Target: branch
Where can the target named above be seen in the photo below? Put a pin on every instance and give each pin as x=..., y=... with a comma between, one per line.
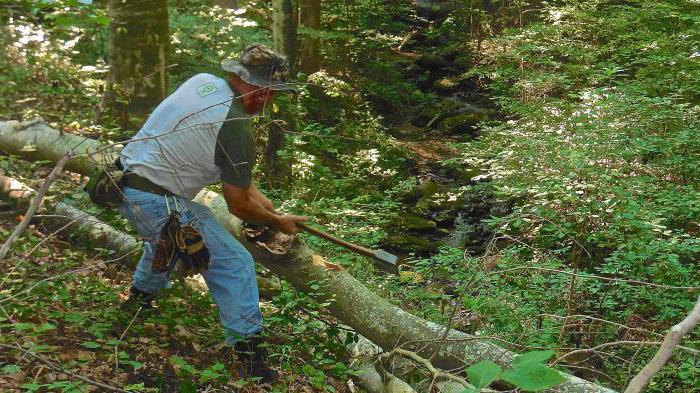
x=673, y=337
x=436, y=373
x=34, y=206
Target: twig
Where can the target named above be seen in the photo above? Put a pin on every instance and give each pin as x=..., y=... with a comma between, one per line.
x=673, y=337
x=34, y=206
x=604, y=345
x=436, y=373
x=57, y=368
x=569, y=300
x=116, y=346
x=593, y=276
x=443, y=339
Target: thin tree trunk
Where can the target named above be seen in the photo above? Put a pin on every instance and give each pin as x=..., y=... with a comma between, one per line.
x=310, y=18
x=349, y=300
x=284, y=37
x=284, y=30
x=139, y=45
x=277, y=170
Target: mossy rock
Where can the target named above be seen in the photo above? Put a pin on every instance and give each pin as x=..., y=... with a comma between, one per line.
x=409, y=243
x=417, y=224
x=464, y=123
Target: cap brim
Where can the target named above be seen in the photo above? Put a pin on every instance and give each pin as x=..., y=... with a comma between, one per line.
x=235, y=67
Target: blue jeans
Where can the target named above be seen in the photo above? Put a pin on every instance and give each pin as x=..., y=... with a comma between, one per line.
x=231, y=274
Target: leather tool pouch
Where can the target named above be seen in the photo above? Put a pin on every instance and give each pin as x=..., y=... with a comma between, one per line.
x=104, y=187
x=181, y=248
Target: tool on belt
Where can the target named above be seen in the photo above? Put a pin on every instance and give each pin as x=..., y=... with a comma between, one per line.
x=104, y=187
x=180, y=248
x=386, y=261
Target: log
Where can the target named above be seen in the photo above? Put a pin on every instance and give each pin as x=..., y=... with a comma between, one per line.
x=89, y=230
x=350, y=301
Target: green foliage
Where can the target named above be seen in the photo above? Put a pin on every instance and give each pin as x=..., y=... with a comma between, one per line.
x=599, y=149
x=202, y=35
x=529, y=372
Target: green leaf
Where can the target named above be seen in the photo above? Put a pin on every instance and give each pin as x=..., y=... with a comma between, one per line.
x=138, y=387
x=136, y=365
x=19, y=326
x=91, y=344
x=45, y=327
x=483, y=373
x=533, y=377
x=208, y=375
x=532, y=357
x=10, y=369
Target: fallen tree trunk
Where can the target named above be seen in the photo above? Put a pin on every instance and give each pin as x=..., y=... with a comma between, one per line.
x=350, y=301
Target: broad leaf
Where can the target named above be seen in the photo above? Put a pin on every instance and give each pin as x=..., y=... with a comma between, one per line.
x=91, y=344
x=483, y=373
x=532, y=357
x=533, y=377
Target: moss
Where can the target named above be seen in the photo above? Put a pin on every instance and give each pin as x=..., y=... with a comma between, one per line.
x=417, y=224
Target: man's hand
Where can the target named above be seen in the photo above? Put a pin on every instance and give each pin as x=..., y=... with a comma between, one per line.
x=247, y=203
x=287, y=223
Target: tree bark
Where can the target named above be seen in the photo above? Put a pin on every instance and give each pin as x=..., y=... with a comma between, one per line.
x=284, y=31
x=139, y=44
x=284, y=37
x=310, y=18
x=350, y=301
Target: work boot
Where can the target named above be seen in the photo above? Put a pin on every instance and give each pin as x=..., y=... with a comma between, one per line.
x=138, y=298
x=253, y=360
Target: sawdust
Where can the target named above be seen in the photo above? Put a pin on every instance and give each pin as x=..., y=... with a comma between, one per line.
x=277, y=243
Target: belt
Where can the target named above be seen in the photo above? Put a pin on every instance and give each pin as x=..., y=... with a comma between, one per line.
x=135, y=181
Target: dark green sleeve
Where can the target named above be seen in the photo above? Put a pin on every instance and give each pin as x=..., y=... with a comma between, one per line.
x=235, y=152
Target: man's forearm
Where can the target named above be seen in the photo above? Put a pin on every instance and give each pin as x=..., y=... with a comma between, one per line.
x=263, y=200
x=255, y=213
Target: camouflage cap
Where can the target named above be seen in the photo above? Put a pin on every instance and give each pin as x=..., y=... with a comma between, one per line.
x=260, y=66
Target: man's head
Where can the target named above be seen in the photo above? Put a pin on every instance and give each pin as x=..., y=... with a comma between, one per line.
x=257, y=75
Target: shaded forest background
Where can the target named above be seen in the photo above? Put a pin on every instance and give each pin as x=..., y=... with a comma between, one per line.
x=536, y=163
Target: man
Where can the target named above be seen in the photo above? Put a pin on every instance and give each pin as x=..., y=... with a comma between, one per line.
x=198, y=136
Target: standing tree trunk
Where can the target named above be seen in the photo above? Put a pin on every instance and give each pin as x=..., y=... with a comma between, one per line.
x=284, y=37
x=310, y=18
x=284, y=31
x=139, y=43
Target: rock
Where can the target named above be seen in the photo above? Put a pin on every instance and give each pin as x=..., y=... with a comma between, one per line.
x=436, y=10
x=432, y=62
x=464, y=123
x=445, y=85
x=416, y=244
x=417, y=224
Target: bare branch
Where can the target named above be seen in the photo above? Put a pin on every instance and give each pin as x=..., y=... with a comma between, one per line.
x=34, y=206
x=673, y=337
x=436, y=373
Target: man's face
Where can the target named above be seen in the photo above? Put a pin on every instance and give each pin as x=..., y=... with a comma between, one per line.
x=255, y=99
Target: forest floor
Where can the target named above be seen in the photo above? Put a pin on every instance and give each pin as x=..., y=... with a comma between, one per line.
x=597, y=155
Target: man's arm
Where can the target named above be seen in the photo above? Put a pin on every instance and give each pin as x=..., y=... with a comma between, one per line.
x=264, y=201
x=246, y=203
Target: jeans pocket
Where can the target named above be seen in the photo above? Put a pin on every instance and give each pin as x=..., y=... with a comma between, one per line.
x=145, y=211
